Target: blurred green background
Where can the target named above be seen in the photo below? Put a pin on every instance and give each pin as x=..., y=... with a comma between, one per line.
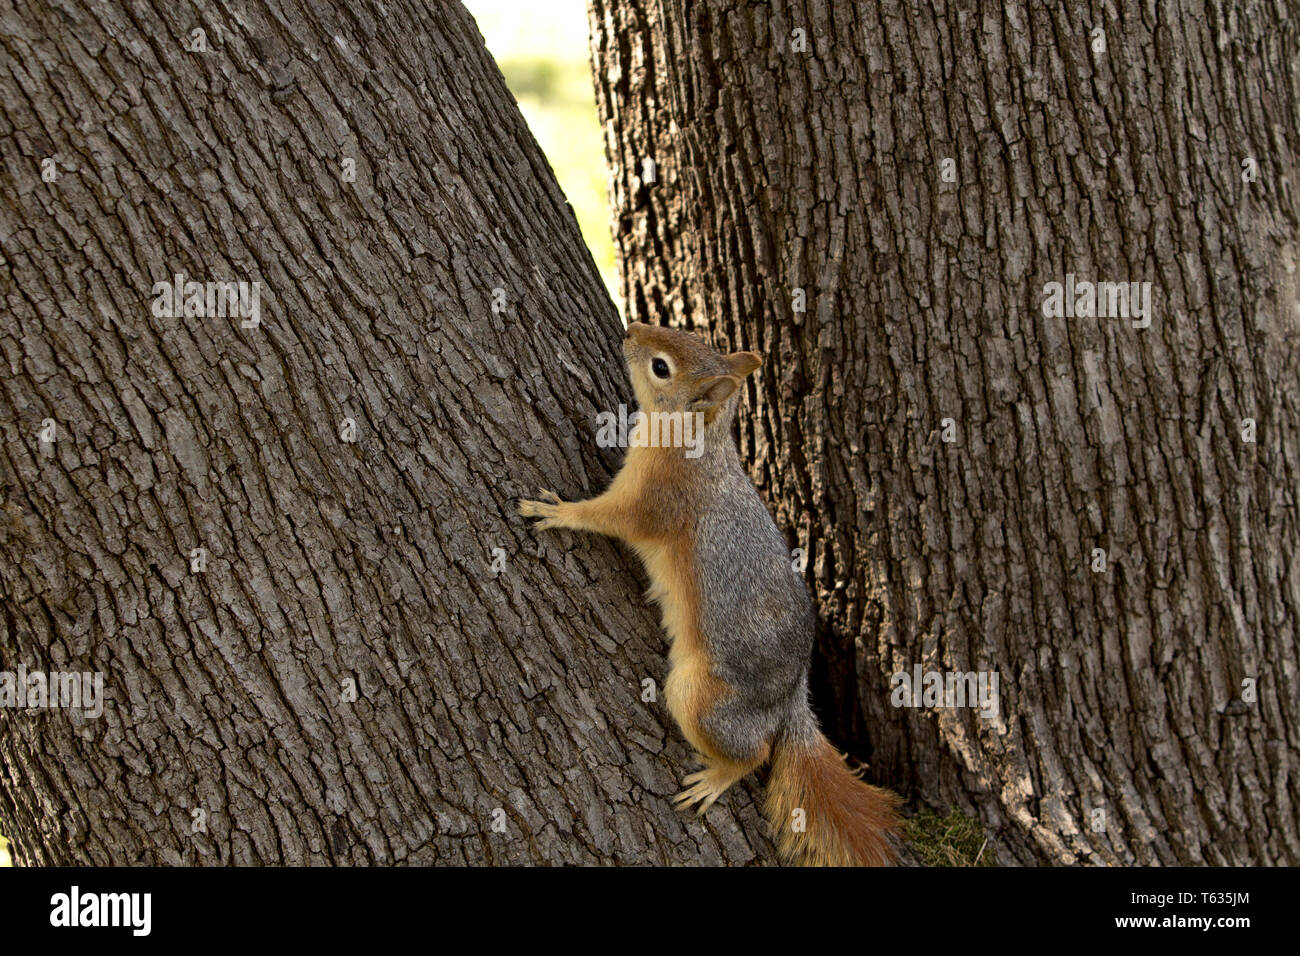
x=541, y=47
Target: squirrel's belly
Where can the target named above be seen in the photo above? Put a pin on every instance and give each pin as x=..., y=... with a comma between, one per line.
x=673, y=586
x=692, y=688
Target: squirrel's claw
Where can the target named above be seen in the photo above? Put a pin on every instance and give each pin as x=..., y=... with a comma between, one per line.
x=545, y=510
x=700, y=789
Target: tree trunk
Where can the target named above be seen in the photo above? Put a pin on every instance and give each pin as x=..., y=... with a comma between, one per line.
x=421, y=278
x=876, y=197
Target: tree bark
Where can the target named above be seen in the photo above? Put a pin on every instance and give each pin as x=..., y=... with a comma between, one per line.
x=442, y=300
x=801, y=149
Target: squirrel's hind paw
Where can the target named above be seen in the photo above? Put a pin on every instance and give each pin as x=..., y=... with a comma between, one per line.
x=701, y=788
x=705, y=786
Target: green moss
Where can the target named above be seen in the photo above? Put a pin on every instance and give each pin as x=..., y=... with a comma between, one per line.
x=952, y=840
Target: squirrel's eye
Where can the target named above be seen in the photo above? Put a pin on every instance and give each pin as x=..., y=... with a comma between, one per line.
x=659, y=367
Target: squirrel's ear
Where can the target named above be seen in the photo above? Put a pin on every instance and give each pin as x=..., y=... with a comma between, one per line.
x=742, y=363
x=714, y=391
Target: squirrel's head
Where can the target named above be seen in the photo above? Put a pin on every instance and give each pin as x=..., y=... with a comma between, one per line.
x=674, y=371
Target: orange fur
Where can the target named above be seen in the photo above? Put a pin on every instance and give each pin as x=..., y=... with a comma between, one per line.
x=846, y=822
x=692, y=689
x=638, y=507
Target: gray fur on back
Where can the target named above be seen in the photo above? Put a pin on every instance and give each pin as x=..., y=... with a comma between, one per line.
x=756, y=616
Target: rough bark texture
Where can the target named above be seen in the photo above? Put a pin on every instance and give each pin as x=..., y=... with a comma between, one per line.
x=801, y=146
x=327, y=560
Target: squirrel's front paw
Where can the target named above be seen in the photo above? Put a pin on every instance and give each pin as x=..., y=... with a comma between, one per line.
x=546, y=510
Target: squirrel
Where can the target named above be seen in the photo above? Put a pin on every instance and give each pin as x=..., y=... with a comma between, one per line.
x=739, y=618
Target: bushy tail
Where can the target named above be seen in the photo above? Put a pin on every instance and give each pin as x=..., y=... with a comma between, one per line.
x=845, y=822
